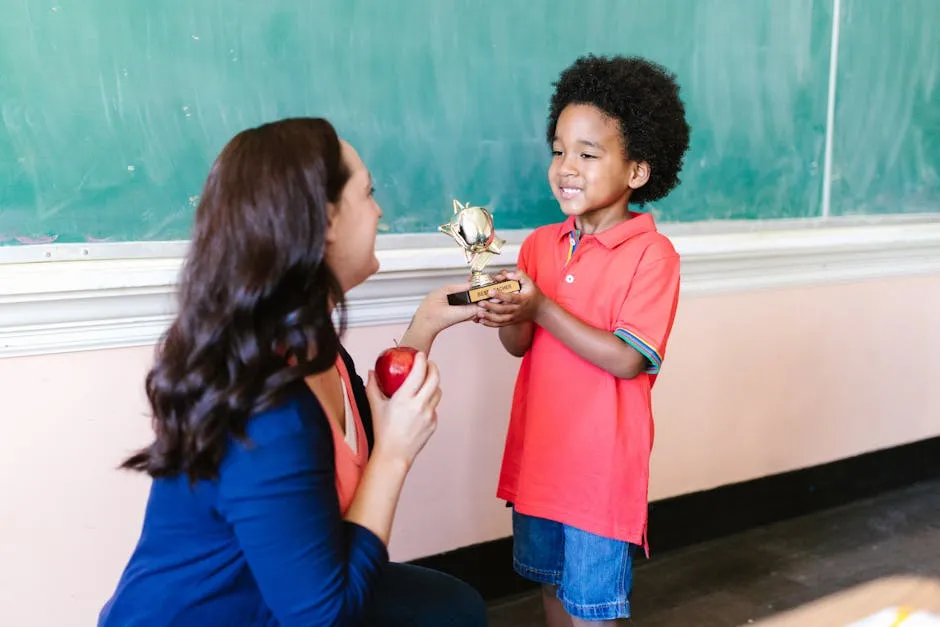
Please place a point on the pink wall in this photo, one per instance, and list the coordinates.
(754, 384)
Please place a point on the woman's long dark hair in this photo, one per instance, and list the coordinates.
(254, 289)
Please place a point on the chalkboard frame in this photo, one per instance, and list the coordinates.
(404, 242)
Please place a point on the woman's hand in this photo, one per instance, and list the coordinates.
(405, 422)
(435, 314)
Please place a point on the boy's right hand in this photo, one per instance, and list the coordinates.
(504, 309)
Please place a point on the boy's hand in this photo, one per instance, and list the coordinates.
(506, 309)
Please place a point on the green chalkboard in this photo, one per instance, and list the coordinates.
(112, 111)
(886, 153)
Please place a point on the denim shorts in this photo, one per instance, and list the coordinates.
(593, 574)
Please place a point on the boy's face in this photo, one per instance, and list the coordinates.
(589, 171)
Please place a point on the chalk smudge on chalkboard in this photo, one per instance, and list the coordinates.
(175, 217)
(39, 239)
(106, 105)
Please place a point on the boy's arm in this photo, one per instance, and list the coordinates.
(517, 314)
(636, 342)
(517, 338)
(600, 347)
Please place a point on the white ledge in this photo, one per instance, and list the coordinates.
(75, 300)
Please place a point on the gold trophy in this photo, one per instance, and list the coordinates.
(472, 228)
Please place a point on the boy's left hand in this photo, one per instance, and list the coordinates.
(511, 308)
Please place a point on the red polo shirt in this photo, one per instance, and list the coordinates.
(579, 439)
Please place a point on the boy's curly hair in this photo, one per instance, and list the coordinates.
(644, 98)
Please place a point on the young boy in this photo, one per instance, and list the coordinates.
(591, 324)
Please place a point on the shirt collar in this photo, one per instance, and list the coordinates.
(617, 235)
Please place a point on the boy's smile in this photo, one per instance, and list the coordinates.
(567, 193)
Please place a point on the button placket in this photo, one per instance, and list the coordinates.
(586, 243)
(569, 277)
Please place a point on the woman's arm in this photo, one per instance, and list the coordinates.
(435, 314)
(377, 497)
(278, 492)
(403, 425)
(279, 496)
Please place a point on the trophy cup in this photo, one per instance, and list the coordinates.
(472, 228)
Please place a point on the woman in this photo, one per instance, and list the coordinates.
(271, 501)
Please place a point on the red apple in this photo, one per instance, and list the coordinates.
(392, 368)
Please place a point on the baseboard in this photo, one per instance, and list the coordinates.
(693, 518)
(72, 297)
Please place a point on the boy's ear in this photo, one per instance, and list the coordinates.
(639, 174)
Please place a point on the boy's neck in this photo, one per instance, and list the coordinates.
(600, 220)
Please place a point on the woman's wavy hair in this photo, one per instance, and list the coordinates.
(254, 289)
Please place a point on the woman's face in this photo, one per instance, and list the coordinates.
(354, 222)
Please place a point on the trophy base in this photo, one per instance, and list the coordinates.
(477, 294)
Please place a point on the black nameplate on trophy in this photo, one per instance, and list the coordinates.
(477, 294)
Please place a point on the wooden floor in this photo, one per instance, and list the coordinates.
(732, 581)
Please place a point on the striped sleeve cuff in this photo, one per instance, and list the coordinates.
(644, 347)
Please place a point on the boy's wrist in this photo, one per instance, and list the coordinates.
(542, 310)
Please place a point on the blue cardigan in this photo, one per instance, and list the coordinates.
(264, 544)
